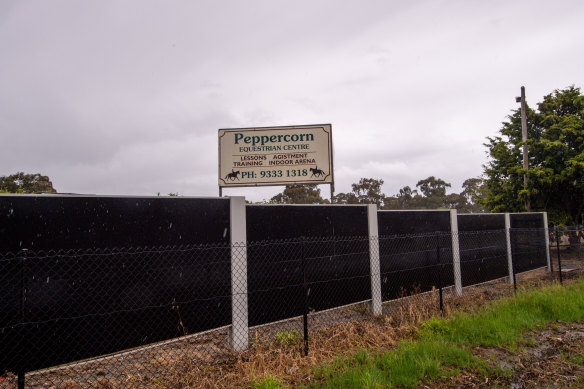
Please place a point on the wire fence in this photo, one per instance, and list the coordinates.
(135, 317)
(567, 245)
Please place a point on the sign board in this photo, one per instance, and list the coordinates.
(276, 156)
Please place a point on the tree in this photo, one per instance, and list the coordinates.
(434, 192)
(433, 187)
(26, 183)
(368, 191)
(472, 192)
(299, 194)
(345, 198)
(405, 199)
(455, 201)
(556, 160)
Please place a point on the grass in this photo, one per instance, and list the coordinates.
(503, 322)
(442, 346)
(402, 367)
(288, 338)
(268, 382)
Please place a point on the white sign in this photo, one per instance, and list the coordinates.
(276, 156)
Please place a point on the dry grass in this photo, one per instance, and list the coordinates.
(291, 367)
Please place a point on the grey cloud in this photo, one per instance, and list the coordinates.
(126, 97)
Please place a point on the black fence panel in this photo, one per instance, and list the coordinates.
(276, 222)
(528, 241)
(84, 303)
(51, 222)
(61, 305)
(411, 264)
(332, 260)
(483, 247)
(412, 222)
(414, 247)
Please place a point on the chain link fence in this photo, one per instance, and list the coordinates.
(567, 246)
(146, 316)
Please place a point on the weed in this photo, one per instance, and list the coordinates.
(288, 338)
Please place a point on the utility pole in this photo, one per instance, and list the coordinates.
(524, 136)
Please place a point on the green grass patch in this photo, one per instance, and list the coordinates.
(443, 346)
(268, 382)
(402, 367)
(288, 338)
(504, 322)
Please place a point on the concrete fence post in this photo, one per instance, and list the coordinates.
(455, 252)
(374, 259)
(238, 336)
(509, 253)
(547, 241)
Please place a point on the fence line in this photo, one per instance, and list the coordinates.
(329, 275)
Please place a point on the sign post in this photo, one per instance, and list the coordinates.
(276, 156)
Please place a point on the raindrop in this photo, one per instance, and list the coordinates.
(170, 226)
(48, 280)
(224, 233)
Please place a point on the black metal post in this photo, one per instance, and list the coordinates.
(21, 355)
(305, 292)
(559, 256)
(439, 272)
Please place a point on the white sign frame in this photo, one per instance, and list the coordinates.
(312, 144)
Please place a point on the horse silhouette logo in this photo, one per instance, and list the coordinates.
(316, 172)
(232, 176)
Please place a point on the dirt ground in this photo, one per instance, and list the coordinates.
(553, 357)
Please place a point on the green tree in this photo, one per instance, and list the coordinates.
(405, 199)
(556, 160)
(455, 201)
(433, 193)
(433, 187)
(299, 194)
(472, 192)
(368, 191)
(26, 183)
(345, 198)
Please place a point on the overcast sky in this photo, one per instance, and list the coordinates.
(126, 97)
